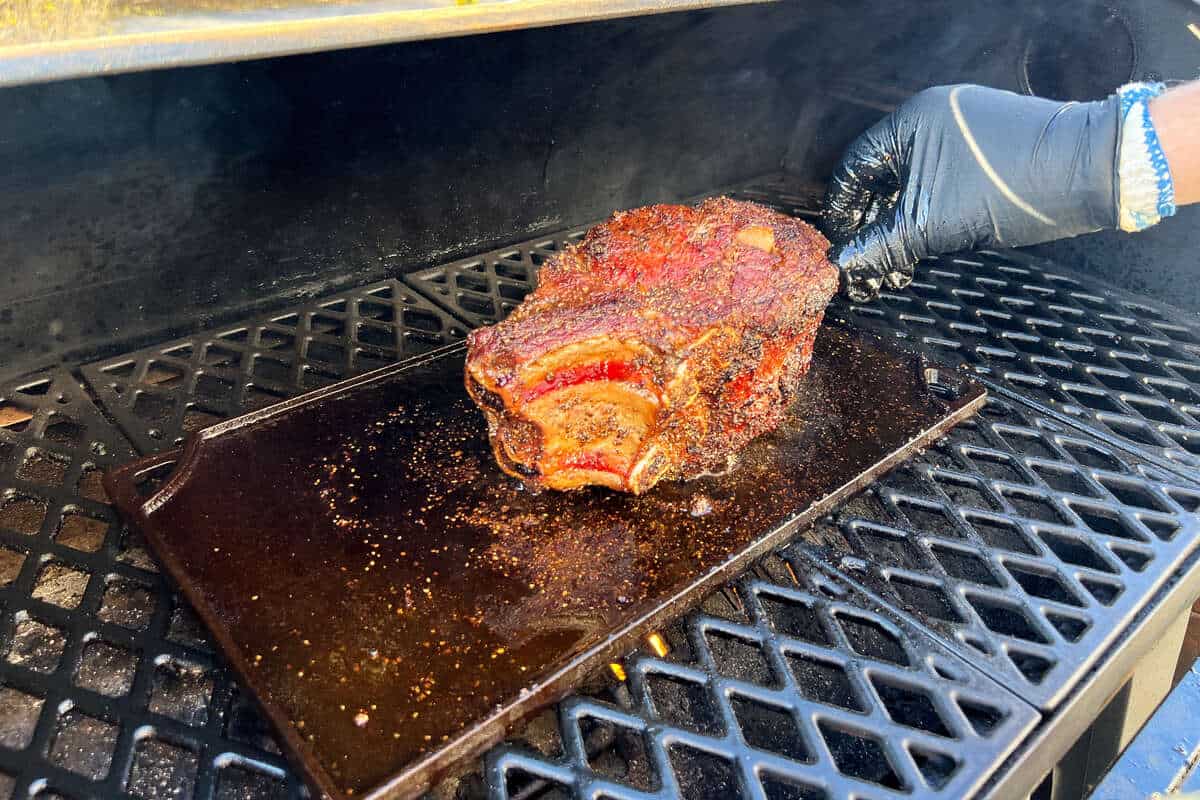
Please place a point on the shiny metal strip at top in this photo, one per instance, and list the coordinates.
(76, 39)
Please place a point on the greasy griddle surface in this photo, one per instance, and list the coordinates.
(383, 587)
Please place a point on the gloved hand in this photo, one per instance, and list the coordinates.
(963, 167)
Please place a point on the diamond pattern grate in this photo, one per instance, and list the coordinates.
(783, 685)
(161, 393)
(1019, 544)
(107, 685)
(484, 289)
(1022, 541)
(1125, 367)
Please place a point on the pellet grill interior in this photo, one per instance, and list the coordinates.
(994, 618)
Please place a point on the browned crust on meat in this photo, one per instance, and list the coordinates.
(661, 343)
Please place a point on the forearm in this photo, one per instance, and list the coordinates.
(1176, 116)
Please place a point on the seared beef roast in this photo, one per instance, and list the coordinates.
(655, 348)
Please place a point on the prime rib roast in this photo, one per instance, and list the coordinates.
(655, 348)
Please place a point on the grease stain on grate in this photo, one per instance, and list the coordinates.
(44, 468)
(770, 728)
(22, 514)
(860, 757)
(702, 775)
(684, 704)
(106, 669)
(238, 782)
(127, 603)
(81, 532)
(625, 758)
(60, 585)
(825, 682)
(182, 691)
(11, 562)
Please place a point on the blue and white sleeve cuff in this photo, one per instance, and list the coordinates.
(1146, 193)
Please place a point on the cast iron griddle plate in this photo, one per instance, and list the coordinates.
(395, 601)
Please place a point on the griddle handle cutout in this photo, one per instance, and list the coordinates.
(131, 486)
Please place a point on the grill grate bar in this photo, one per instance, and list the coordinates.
(487, 288)
(882, 723)
(159, 394)
(1027, 557)
(107, 685)
(1015, 527)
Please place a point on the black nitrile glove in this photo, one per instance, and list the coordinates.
(963, 167)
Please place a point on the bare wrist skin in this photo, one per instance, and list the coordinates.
(1176, 115)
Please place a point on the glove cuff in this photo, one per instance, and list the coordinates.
(1146, 192)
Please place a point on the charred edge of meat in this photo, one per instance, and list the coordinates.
(498, 419)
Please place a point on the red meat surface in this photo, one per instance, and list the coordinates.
(655, 348)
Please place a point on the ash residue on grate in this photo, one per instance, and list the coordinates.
(1024, 543)
(160, 394)
(106, 689)
(785, 683)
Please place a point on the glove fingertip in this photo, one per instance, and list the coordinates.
(860, 284)
(863, 290)
(899, 278)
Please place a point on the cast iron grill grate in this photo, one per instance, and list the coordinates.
(151, 686)
(1024, 542)
(159, 394)
(786, 684)
(1129, 368)
(485, 289)
(108, 687)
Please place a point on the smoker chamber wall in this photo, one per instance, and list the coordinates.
(136, 206)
